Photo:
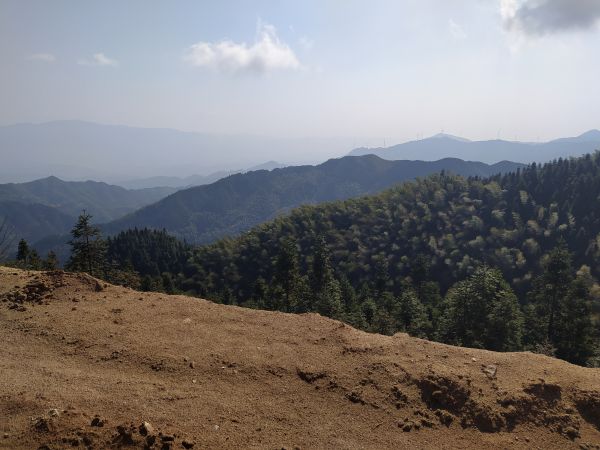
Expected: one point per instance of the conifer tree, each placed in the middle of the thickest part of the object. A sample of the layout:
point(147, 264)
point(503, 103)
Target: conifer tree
point(51, 262)
point(287, 276)
point(34, 261)
point(325, 288)
point(482, 312)
point(23, 252)
point(88, 249)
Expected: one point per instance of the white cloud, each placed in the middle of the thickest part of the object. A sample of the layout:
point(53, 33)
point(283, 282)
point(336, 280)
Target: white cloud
point(267, 54)
point(98, 59)
point(541, 17)
point(43, 57)
point(456, 30)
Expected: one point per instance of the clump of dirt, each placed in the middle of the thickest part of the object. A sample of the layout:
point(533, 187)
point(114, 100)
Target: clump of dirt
point(63, 432)
point(439, 392)
point(37, 290)
point(588, 405)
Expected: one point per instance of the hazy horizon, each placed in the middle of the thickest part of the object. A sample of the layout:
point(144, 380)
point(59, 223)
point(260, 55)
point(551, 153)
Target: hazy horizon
point(393, 71)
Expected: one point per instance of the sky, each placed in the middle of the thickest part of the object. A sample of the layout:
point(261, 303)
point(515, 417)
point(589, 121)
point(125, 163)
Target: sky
point(384, 70)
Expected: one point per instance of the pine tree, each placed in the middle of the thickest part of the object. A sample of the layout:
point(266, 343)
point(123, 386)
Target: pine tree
point(552, 287)
point(287, 276)
point(412, 316)
point(574, 332)
point(482, 312)
point(23, 252)
point(325, 288)
point(559, 310)
point(34, 261)
point(88, 249)
point(51, 262)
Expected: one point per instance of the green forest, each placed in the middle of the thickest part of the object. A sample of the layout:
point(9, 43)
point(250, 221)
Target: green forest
point(505, 263)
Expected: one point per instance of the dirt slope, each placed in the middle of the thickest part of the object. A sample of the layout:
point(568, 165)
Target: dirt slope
point(76, 352)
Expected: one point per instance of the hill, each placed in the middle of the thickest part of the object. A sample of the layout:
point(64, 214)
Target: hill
point(87, 364)
point(432, 257)
point(49, 206)
point(442, 145)
point(237, 203)
point(34, 221)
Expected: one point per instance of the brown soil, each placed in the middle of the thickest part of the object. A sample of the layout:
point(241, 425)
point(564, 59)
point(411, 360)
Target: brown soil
point(84, 365)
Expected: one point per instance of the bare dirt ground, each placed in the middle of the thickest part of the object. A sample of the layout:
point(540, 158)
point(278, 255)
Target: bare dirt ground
point(89, 365)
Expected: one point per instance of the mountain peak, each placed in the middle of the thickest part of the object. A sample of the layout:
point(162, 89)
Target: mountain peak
point(449, 136)
point(590, 135)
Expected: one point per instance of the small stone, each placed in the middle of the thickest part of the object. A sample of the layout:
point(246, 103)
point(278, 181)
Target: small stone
point(167, 438)
point(187, 444)
point(97, 422)
point(146, 428)
point(407, 427)
point(192, 364)
point(572, 433)
point(53, 413)
point(490, 371)
point(5, 435)
point(474, 359)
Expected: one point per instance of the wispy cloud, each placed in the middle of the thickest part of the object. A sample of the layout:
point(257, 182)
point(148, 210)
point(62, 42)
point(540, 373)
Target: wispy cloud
point(43, 57)
point(98, 59)
point(456, 30)
point(268, 53)
point(541, 17)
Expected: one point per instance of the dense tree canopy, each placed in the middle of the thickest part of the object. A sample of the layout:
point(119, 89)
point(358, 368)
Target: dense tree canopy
point(504, 263)
point(417, 240)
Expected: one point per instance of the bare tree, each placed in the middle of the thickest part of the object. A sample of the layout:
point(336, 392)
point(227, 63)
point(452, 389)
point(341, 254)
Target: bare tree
point(6, 238)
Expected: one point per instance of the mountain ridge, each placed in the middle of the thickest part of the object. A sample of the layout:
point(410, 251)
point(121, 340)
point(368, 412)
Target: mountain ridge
point(27, 205)
point(442, 145)
point(236, 203)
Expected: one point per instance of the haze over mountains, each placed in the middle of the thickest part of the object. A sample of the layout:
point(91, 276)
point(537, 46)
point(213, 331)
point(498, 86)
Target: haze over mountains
point(147, 157)
point(192, 180)
point(76, 150)
point(442, 145)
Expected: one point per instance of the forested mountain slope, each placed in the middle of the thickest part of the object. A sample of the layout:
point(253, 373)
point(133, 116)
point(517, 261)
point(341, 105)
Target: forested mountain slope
point(235, 204)
point(382, 262)
point(49, 206)
point(104, 201)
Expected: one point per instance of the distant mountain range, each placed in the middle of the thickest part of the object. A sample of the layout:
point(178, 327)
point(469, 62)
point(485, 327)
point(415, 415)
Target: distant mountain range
point(50, 205)
point(443, 145)
point(76, 150)
point(192, 180)
point(235, 204)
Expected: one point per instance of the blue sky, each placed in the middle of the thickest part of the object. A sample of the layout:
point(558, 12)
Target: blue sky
point(393, 69)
